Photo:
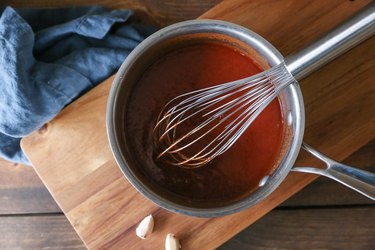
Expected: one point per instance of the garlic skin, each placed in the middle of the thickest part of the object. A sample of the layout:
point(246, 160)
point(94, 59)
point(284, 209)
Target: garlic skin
point(145, 228)
point(171, 242)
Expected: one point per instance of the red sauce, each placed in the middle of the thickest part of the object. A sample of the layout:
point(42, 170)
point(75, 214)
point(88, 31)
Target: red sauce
point(239, 170)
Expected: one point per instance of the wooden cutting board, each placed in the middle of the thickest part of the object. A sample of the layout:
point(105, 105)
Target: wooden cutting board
point(71, 154)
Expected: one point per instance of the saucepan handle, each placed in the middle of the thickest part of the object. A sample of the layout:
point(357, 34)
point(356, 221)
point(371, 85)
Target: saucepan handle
point(360, 180)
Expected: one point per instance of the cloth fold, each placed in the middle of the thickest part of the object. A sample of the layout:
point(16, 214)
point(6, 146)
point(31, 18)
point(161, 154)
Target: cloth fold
point(48, 57)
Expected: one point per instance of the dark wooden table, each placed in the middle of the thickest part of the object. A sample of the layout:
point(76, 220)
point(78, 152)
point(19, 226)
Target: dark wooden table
point(323, 215)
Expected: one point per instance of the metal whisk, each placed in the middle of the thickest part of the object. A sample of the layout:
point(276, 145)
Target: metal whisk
point(196, 127)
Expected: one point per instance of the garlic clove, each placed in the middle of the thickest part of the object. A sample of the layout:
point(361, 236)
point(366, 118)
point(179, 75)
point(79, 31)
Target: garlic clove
point(171, 242)
point(145, 228)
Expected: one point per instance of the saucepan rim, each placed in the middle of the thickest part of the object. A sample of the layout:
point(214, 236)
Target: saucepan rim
point(274, 57)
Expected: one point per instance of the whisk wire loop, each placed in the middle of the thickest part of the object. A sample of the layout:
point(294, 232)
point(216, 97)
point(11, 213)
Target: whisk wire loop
point(196, 127)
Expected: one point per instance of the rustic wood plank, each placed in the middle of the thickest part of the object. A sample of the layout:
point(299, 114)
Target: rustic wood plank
point(320, 192)
point(345, 228)
point(157, 12)
point(21, 191)
point(38, 232)
point(105, 216)
point(326, 192)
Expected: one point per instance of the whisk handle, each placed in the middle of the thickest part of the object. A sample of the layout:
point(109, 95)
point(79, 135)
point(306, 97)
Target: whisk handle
point(343, 37)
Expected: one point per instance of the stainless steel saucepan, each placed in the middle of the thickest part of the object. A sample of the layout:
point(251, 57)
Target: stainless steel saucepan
point(344, 37)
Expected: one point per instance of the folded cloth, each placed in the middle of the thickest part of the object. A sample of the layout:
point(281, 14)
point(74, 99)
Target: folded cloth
point(48, 57)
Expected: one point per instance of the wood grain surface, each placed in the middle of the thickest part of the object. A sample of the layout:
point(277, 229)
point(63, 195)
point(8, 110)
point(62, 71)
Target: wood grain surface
point(104, 208)
point(321, 197)
point(345, 228)
point(38, 232)
point(22, 192)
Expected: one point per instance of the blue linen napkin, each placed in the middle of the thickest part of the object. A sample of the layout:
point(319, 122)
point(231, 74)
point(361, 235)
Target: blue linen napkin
point(48, 57)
